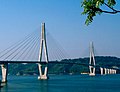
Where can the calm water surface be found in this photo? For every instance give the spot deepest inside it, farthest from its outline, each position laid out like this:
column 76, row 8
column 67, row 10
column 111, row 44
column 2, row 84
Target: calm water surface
column 63, row 83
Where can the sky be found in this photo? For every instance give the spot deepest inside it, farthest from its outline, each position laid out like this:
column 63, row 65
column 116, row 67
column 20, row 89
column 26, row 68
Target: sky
column 64, row 21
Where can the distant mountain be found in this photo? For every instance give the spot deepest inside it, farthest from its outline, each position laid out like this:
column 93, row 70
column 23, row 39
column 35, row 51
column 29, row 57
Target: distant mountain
column 32, row 69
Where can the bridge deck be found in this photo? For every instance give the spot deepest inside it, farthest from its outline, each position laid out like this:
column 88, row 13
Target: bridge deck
column 51, row 62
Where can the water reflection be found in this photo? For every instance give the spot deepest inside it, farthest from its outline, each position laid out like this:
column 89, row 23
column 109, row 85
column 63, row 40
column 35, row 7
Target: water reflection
column 4, row 87
column 43, row 85
column 25, row 85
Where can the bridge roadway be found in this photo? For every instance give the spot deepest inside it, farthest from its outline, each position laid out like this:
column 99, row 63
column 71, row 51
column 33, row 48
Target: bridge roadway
column 43, row 62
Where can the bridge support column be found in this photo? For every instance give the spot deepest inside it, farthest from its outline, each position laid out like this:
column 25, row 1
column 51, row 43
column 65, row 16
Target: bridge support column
column 4, row 68
column 114, row 71
column 43, row 73
column 92, row 71
column 101, row 70
column 108, row 71
column 105, row 70
column 43, row 44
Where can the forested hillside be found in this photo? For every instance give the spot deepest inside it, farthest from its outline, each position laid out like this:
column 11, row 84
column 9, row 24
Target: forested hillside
column 32, row 69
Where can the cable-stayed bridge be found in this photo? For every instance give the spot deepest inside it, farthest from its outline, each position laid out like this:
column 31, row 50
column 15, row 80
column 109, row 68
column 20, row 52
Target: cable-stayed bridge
column 39, row 48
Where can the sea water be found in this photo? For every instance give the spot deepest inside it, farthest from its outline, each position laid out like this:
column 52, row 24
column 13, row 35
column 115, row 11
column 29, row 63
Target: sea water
column 63, row 83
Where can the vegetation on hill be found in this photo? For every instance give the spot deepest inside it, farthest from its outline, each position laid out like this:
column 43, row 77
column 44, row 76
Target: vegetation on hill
column 32, row 69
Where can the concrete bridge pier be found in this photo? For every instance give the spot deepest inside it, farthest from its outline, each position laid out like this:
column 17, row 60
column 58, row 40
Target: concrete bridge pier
column 114, row 71
column 101, row 70
column 4, row 68
column 108, row 71
column 92, row 71
column 105, row 70
column 43, row 73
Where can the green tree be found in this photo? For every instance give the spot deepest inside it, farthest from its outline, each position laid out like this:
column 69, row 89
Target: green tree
column 94, row 7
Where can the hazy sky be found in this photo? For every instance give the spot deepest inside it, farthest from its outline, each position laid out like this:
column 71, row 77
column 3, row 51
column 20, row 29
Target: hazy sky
column 64, row 21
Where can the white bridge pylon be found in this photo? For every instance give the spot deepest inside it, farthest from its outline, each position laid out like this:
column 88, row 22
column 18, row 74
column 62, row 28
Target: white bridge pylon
column 43, row 47
column 92, row 60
